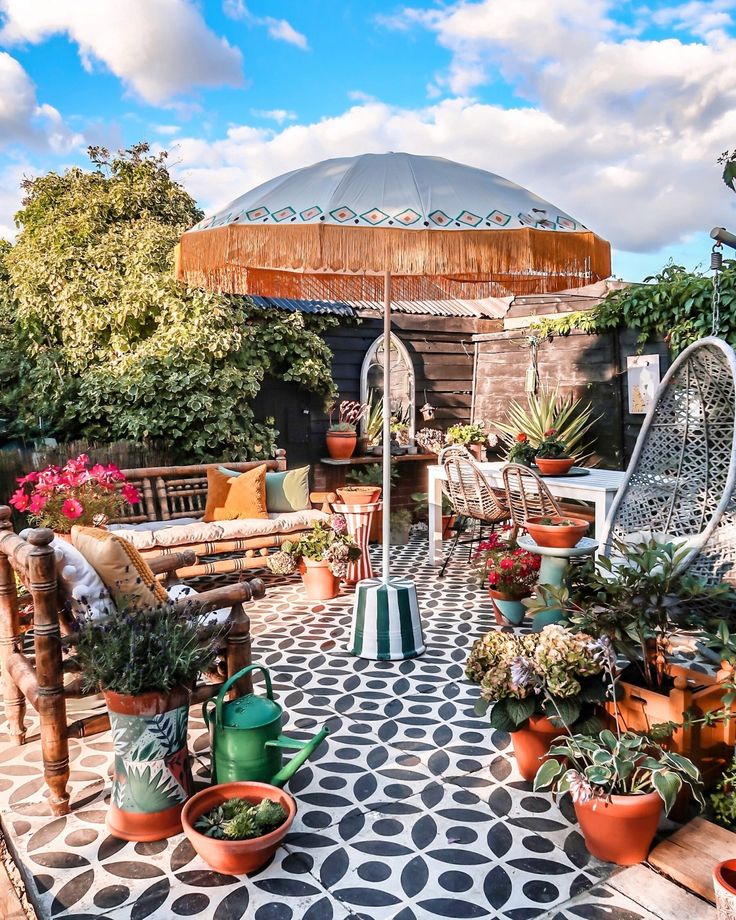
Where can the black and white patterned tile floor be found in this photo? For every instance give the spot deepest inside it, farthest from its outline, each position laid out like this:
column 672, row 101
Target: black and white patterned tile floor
column 412, row 809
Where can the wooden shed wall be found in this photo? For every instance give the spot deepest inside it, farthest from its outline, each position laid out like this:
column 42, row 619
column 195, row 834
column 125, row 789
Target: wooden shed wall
column 589, row 366
column 442, row 354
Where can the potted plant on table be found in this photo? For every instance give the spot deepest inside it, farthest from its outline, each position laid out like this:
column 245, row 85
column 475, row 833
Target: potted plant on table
column 80, row 492
column 552, row 457
column 145, row 662
column 236, row 827
column 471, row 436
column 521, row 450
column 538, row 684
column 321, row 556
column 342, row 435
column 510, row 574
column 556, row 531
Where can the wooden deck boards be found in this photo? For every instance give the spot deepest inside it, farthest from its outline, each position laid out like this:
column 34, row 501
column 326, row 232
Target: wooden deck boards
column 689, row 855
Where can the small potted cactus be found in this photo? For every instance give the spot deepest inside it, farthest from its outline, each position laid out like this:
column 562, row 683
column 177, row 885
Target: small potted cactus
column 342, row 435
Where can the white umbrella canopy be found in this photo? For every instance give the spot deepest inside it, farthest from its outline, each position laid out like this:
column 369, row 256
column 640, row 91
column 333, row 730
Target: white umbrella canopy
column 420, row 226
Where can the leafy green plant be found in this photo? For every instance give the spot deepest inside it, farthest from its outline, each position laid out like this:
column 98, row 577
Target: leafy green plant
column 521, row 450
column 616, row 764
column 723, row 800
column 371, row 474
column 571, row 419
column 374, row 418
column 350, row 413
column 239, row 819
column 99, row 341
column 552, row 447
column 472, row 433
column 138, row 651
column 554, row 673
column 421, row 503
column 327, row 541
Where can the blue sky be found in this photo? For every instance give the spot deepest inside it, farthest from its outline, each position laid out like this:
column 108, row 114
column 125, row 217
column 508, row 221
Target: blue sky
column 616, row 111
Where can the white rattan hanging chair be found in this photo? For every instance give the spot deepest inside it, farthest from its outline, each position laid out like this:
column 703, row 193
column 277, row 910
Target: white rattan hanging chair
column 680, row 482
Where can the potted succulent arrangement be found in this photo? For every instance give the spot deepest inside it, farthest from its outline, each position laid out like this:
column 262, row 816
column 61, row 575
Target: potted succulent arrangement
column 510, row 574
column 553, row 530
column 471, row 436
column 552, row 456
column 321, row 556
column 537, row 684
column 80, row 492
column 638, row 598
column 145, row 663
column 521, row 450
column 619, row 783
column 236, row 827
column 431, row 440
column 342, row 435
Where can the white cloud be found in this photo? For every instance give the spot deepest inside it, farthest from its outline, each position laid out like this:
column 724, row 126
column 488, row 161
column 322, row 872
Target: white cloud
column 705, row 18
column 278, row 115
column 167, row 130
column 23, row 120
column 157, row 49
column 279, row 29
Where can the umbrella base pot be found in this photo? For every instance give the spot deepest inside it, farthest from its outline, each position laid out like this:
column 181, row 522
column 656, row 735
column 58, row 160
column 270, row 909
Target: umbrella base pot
column 386, row 623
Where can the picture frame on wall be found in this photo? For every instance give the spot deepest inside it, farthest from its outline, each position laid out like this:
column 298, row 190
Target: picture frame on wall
column 643, row 382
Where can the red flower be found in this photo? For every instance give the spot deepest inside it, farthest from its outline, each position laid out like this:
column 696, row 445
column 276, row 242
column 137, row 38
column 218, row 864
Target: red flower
column 19, row 500
column 521, row 437
column 550, row 432
column 507, row 563
column 72, row 508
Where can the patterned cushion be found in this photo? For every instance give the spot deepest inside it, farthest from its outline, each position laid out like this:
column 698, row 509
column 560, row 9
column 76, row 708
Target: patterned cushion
column 120, row 566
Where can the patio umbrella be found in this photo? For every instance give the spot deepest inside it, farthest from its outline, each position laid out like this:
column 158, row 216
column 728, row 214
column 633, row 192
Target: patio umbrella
column 378, row 226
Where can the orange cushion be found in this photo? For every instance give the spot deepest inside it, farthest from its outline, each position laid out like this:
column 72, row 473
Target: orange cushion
column 246, row 496
column 121, row 567
column 218, row 487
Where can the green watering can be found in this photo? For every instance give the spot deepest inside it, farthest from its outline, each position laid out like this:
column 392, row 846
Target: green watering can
column 246, row 736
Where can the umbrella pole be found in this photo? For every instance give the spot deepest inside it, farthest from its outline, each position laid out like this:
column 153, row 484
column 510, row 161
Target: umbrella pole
column 386, row 535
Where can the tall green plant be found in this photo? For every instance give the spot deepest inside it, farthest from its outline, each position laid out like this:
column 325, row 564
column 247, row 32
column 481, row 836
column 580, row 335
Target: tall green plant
column 571, row 418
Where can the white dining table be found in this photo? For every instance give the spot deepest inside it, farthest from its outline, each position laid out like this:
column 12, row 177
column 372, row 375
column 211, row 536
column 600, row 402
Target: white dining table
column 597, row 487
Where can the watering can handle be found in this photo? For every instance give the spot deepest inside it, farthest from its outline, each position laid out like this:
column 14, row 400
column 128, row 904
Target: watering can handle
column 228, row 684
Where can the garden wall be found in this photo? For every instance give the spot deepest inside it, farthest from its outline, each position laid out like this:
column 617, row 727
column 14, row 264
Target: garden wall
column 589, row 366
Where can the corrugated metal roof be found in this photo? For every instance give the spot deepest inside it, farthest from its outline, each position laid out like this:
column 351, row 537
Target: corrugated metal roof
column 490, row 308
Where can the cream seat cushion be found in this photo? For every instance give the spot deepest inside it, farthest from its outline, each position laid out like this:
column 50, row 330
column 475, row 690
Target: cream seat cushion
column 172, row 534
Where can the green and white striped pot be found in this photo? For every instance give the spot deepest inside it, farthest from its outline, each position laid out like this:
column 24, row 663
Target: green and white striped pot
column 386, row 622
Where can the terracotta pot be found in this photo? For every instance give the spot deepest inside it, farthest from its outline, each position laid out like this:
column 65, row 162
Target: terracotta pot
column 359, row 495
column 152, row 774
column 236, row 857
column 555, row 536
column 448, row 521
column 532, row 744
column 319, row 582
column 620, row 830
column 67, row 537
column 724, row 884
column 341, row 444
column 557, row 467
column 508, row 607
column 478, row 451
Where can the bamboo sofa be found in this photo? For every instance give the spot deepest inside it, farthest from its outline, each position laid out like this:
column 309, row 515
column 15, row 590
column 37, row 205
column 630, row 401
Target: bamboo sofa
column 168, row 520
column 39, row 668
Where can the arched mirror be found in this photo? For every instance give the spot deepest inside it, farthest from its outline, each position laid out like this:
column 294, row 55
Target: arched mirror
column 402, row 389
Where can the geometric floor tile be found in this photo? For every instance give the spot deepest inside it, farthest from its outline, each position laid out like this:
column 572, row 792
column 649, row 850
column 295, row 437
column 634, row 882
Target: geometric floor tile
column 412, row 809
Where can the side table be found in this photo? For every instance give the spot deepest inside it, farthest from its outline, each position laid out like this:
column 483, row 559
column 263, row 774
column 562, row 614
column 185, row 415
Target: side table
column 359, row 519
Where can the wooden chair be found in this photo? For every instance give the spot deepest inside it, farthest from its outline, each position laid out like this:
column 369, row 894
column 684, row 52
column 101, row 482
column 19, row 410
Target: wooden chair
column 526, row 496
column 37, row 675
column 471, row 495
column 682, row 476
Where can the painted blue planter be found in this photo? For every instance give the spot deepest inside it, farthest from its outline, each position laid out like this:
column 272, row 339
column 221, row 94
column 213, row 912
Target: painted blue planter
column 511, row 609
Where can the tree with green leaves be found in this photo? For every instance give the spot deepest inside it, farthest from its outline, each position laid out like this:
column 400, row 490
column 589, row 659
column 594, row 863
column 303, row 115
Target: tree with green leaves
column 99, row 341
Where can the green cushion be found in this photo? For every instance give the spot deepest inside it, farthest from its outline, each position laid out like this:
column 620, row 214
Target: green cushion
column 287, row 491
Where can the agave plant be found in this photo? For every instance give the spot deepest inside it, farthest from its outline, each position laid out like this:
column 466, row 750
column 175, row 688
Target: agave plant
column 571, row 419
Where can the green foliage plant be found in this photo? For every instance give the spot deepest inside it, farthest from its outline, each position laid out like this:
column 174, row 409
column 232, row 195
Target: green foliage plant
column 327, row 541
column 472, row 433
column 723, row 800
column 555, row 673
column 371, row 475
column 571, row 418
column 239, row 819
column 99, row 341
column 552, row 447
column 140, row 651
column 521, row 450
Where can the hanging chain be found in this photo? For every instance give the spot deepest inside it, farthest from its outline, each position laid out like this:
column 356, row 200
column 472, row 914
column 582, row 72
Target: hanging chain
column 716, row 263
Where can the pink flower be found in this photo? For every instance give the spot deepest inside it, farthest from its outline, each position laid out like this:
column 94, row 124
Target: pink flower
column 131, row 495
column 72, row 508
column 507, row 563
column 20, row 500
column 38, row 503
column 78, row 465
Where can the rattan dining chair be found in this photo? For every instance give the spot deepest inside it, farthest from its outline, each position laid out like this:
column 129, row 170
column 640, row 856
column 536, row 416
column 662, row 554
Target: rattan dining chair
column 472, row 497
column 526, row 496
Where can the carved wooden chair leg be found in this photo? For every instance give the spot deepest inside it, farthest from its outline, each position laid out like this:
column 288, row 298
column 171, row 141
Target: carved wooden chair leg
column 239, row 649
column 47, row 638
column 10, row 641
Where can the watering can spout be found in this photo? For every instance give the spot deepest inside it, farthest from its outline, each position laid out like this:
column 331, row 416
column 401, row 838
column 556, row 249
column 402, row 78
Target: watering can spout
column 305, row 750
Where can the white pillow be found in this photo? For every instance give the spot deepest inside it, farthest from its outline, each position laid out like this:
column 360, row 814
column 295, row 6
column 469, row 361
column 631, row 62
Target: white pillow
column 81, row 583
column 177, row 591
